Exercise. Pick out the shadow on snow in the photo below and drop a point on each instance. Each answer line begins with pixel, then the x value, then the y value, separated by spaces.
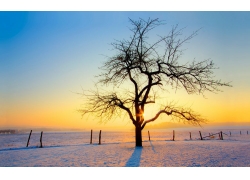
pixel 134 160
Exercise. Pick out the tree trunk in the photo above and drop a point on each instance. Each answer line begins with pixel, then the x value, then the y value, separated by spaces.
pixel 138 137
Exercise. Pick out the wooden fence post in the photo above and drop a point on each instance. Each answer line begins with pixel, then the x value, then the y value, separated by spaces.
pixel 247 132
pixel 200 135
pixel 100 134
pixel 221 136
pixel 148 136
pixel 91 136
pixel 173 135
pixel 41 144
pixel 230 133
pixel 240 132
pixel 29 139
pixel 190 135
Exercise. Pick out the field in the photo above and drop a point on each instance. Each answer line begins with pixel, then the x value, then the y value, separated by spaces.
pixel 117 149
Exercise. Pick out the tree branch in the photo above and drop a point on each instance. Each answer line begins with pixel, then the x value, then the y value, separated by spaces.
pixel 105 106
pixel 180 114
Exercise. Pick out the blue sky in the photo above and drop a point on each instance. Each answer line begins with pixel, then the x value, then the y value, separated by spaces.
pixel 45 57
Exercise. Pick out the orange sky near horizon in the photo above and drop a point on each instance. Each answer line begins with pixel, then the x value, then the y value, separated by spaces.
pixel 217 108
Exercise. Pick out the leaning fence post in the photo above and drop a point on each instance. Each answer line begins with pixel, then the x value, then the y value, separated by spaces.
pixel 173 135
pixel 190 135
pixel 91 136
pixel 221 136
pixel 41 144
pixel 29 139
pixel 148 136
pixel 200 135
pixel 100 136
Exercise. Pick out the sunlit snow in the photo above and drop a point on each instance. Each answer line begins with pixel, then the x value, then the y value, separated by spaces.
pixel 117 149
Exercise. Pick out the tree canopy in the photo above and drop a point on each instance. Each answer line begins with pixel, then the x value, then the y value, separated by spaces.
pixel 150 67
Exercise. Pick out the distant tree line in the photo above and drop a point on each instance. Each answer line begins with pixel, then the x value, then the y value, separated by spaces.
pixel 8 131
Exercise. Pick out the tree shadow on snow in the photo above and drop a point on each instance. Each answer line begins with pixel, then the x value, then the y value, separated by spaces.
pixel 153 148
pixel 134 160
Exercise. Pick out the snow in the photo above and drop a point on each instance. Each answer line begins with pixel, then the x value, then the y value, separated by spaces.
pixel 117 149
pixel 70 149
pixel 152 154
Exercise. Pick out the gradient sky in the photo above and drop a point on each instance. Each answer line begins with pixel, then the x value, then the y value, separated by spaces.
pixel 46 58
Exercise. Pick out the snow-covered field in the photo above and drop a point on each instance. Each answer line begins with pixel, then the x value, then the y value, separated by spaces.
pixel 172 158
pixel 64 149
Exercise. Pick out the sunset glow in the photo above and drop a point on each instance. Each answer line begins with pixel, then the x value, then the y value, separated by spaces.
pixel 48 58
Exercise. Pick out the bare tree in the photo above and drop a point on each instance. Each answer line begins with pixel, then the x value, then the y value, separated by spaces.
pixel 147 68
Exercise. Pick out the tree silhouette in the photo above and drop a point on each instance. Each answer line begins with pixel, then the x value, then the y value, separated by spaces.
pixel 146 68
